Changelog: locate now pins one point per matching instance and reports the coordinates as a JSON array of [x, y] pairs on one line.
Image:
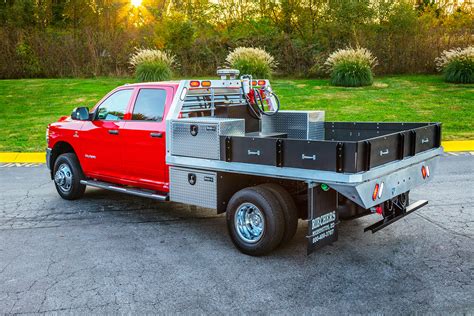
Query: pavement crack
[[443, 228]]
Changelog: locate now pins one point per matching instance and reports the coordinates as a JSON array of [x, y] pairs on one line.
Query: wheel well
[[59, 149], [230, 183]]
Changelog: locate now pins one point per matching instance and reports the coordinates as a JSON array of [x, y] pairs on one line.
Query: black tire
[[70, 164], [274, 226], [290, 211]]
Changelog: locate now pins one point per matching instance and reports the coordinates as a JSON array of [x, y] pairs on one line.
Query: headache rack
[[204, 101]]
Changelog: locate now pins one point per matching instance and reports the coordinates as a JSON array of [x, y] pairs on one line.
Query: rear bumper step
[[132, 191], [393, 218]]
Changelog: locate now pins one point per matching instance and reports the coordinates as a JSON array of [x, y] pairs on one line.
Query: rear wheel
[[67, 177], [255, 221], [290, 211]]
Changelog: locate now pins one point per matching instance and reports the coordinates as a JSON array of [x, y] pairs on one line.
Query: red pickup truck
[[224, 144], [122, 140]]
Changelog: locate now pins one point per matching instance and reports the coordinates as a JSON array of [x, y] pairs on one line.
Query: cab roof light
[[194, 84]]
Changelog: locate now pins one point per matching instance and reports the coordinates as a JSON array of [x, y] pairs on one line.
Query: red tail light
[[424, 173], [376, 192]]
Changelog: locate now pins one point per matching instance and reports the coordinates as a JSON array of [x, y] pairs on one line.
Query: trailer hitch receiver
[[395, 216]]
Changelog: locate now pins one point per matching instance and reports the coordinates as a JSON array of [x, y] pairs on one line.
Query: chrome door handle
[[156, 134], [113, 131]]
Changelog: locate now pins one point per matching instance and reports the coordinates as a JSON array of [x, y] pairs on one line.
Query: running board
[[132, 191], [392, 219]]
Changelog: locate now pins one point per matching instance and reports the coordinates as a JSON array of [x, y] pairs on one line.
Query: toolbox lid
[[206, 120]]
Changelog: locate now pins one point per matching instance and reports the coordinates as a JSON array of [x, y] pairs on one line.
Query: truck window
[[114, 107], [150, 105]]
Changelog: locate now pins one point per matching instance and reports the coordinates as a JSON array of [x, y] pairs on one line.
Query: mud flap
[[322, 217]]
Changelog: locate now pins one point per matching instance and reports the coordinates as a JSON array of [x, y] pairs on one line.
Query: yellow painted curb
[[10, 157], [458, 145], [23, 157]]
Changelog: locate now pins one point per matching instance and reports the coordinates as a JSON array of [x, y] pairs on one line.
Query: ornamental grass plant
[[252, 61], [457, 65], [152, 65], [351, 67]]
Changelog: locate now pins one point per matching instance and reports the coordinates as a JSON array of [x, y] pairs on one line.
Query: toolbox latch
[[192, 178], [193, 129]]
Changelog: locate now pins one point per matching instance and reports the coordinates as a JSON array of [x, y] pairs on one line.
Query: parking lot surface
[[110, 253]]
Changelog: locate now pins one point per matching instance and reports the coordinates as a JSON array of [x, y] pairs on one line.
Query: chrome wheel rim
[[63, 178], [249, 223]]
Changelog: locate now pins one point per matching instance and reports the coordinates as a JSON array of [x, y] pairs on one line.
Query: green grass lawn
[[27, 106]]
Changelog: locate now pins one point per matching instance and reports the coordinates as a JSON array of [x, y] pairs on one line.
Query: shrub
[[28, 60], [457, 65], [252, 61], [152, 65], [351, 67]]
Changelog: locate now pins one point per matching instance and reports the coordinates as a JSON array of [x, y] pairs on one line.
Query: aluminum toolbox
[[199, 137], [193, 187], [205, 188], [297, 124]]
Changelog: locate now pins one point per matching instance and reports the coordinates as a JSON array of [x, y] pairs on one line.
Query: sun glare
[[136, 3]]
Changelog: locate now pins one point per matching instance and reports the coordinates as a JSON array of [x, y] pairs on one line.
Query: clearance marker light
[[194, 84], [205, 84], [254, 83], [324, 187], [379, 210], [376, 192], [261, 82]]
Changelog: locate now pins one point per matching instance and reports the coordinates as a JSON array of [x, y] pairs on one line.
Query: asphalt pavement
[[113, 253]]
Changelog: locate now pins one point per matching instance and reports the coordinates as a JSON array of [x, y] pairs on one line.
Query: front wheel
[[67, 177], [255, 221]]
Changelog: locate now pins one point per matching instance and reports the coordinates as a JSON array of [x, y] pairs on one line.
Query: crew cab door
[[101, 139], [144, 138]]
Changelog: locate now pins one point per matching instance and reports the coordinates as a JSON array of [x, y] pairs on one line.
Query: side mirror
[[80, 114]]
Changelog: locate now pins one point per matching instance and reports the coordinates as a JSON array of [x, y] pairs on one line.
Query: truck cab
[[122, 138]]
